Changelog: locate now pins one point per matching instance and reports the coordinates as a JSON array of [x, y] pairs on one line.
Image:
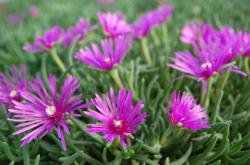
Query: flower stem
[[246, 65], [146, 51], [115, 75], [207, 96], [223, 84], [155, 38], [89, 159], [71, 55], [26, 157], [165, 35], [58, 60]]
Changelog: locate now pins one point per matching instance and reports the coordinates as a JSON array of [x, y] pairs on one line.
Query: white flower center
[[50, 110], [117, 123], [107, 60], [179, 124], [13, 93], [206, 65]]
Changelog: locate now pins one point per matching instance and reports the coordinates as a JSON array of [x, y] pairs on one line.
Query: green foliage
[[227, 142]]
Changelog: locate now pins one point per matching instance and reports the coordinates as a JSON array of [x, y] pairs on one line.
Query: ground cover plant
[[125, 82]]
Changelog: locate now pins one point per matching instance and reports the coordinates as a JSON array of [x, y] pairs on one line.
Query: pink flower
[[10, 87], [111, 54], [144, 24], [117, 118], [244, 43], [76, 32], [210, 60], [192, 31], [33, 11], [142, 27], [45, 43], [15, 19], [215, 50], [184, 112], [160, 15], [43, 110], [114, 24]]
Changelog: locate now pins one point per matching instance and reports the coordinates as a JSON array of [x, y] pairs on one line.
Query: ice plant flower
[[145, 23], [14, 19], [10, 87], [191, 32], [45, 43], [211, 60], [142, 27], [161, 14], [114, 24], [76, 32], [33, 11], [200, 34], [244, 43], [116, 115], [43, 110], [184, 112], [112, 53]]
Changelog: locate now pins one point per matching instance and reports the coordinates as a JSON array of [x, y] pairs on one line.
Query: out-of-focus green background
[[66, 13], [151, 84]]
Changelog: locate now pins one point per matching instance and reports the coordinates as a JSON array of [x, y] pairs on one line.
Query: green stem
[[37, 160], [208, 93], [26, 157], [223, 84], [165, 35], [89, 159], [215, 111], [9, 123], [146, 51], [82, 126], [71, 55], [85, 156], [246, 64], [155, 38], [58, 60], [115, 75], [44, 70]]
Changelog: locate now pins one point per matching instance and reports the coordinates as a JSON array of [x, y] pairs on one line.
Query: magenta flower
[[223, 41], [215, 49], [116, 115], [33, 11], [112, 53], [43, 110], [10, 87], [15, 19], [184, 112], [76, 32], [200, 34], [161, 14], [114, 24], [192, 31], [144, 24], [211, 60], [244, 43], [142, 27], [49, 40], [189, 33]]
